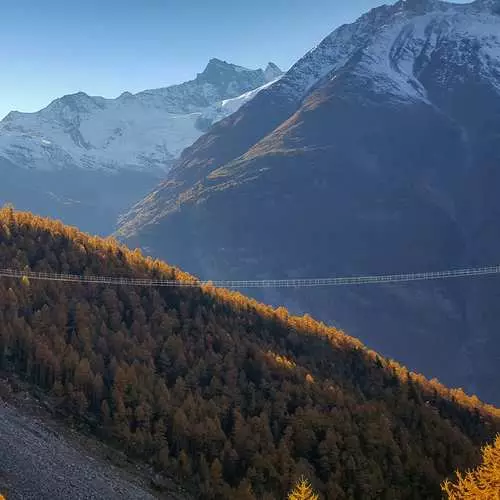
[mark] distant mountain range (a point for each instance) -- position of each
(377, 152)
(86, 158)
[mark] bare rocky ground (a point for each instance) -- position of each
(41, 459)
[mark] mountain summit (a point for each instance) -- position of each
(272, 72)
(375, 153)
(222, 73)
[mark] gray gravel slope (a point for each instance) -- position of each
(35, 463)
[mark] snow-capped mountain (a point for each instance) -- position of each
(87, 159)
(393, 44)
(376, 153)
(145, 131)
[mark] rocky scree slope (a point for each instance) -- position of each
(39, 464)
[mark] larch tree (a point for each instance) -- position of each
(482, 483)
(303, 491)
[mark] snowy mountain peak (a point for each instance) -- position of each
(216, 64)
(272, 72)
(80, 102)
(391, 46)
(78, 98)
(220, 72)
(419, 5)
(429, 6)
(11, 116)
(492, 6)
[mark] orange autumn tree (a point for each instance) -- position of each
(303, 491)
(480, 483)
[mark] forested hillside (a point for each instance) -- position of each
(234, 397)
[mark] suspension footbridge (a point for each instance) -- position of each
(267, 283)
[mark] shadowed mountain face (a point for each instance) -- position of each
(376, 153)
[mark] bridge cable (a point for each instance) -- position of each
(242, 284)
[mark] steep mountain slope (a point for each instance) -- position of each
(376, 153)
(88, 158)
(235, 397)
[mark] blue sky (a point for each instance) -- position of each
(49, 48)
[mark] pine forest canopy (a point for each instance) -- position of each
(237, 399)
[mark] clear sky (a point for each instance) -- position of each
(49, 48)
